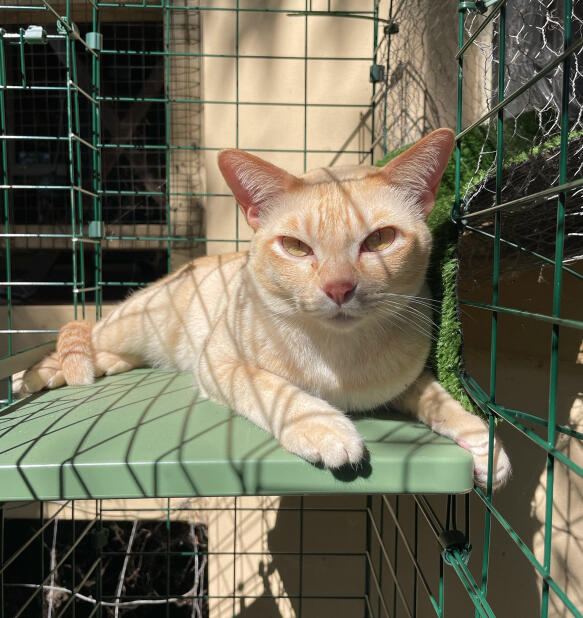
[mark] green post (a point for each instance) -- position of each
(456, 210)
(96, 155)
(5, 198)
(237, 111)
(77, 179)
(168, 129)
(557, 287)
(69, 52)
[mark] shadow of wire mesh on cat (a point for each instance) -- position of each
(138, 494)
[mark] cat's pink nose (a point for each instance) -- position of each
(340, 291)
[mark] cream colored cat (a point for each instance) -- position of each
(325, 313)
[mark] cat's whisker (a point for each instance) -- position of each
(426, 326)
(409, 308)
(417, 299)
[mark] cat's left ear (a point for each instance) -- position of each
(420, 168)
(255, 183)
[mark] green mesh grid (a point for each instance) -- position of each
(93, 135)
(519, 211)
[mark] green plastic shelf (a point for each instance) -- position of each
(147, 433)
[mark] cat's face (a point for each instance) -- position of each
(339, 251)
(339, 246)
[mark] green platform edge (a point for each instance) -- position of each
(146, 433)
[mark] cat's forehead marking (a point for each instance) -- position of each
(335, 211)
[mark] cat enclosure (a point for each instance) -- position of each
(135, 495)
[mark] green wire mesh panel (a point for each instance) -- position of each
(225, 557)
(518, 203)
(111, 116)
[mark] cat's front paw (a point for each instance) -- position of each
(330, 439)
(478, 444)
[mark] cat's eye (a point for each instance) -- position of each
(295, 246)
(379, 239)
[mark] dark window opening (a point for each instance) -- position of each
(42, 167)
(155, 561)
(125, 270)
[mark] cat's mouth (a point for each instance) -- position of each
(343, 319)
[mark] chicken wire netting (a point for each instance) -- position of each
(533, 44)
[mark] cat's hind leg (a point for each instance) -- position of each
(427, 400)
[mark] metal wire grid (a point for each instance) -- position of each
(134, 176)
(478, 592)
(83, 559)
(128, 135)
(533, 44)
(554, 69)
(95, 558)
(74, 187)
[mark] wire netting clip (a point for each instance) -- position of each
(391, 28)
(377, 73)
(454, 542)
(94, 40)
(100, 537)
(35, 35)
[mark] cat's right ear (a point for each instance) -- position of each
(420, 168)
(255, 183)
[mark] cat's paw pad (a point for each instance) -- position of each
(479, 447)
(332, 440)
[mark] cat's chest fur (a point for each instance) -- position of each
(355, 371)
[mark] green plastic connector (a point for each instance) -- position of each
(454, 541)
(479, 6)
(66, 27)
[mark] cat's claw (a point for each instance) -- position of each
(332, 441)
(501, 463)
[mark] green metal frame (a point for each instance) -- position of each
(485, 398)
(394, 524)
